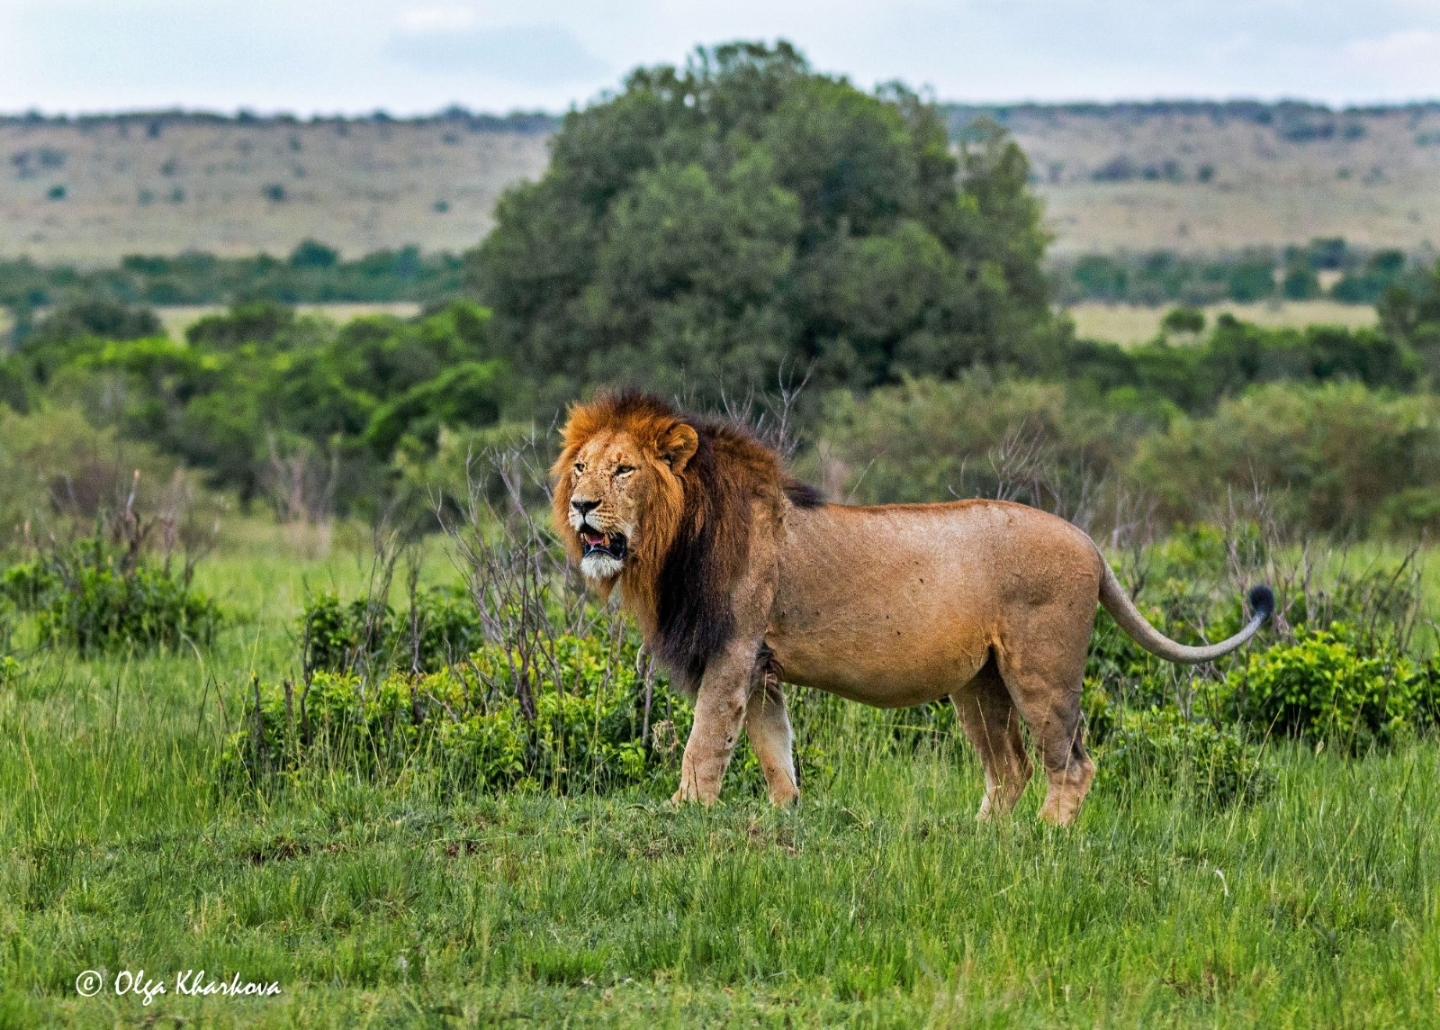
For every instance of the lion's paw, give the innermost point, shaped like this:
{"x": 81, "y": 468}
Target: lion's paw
{"x": 686, "y": 795}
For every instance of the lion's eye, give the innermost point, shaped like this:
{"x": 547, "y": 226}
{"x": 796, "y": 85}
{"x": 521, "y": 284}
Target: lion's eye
{"x": 624, "y": 470}
{"x": 579, "y": 466}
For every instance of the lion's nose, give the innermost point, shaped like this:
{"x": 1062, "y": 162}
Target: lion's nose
{"x": 583, "y": 508}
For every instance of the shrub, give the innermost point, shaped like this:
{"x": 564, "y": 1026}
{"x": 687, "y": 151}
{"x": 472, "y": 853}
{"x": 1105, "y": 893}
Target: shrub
{"x": 1329, "y": 456}
{"x": 15, "y": 382}
{"x": 28, "y": 585}
{"x": 106, "y": 319}
{"x": 1183, "y": 320}
{"x": 927, "y": 440}
{"x": 102, "y": 599}
{"x": 1412, "y": 512}
{"x": 106, "y": 591}
{"x": 486, "y": 465}
{"x": 589, "y": 719}
{"x": 258, "y": 322}
{"x": 466, "y": 394}
{"x": 440, "y": 627}
{"x": 54, "y": 462}
{"x": 1328, "y": 687}
{"x": 1215, "y": 766}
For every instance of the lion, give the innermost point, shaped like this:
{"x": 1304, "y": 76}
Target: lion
{"x": 743, "y": 578}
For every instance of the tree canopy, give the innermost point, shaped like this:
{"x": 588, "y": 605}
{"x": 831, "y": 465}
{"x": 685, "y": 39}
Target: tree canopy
{"x": 746, "y": 218}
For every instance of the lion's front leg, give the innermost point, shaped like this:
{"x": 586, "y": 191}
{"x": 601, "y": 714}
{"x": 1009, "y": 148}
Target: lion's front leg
{"x": 719, "y": 714}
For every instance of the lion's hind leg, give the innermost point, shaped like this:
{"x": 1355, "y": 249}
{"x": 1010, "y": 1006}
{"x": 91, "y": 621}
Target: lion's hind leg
{"x": 768, "y": 726}
{"x": 1044, "y": 678}
{"x": 993, "y": 725}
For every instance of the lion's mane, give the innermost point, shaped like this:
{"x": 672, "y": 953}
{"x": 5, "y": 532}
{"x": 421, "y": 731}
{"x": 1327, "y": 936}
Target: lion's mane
{"x": 695, "y": 536}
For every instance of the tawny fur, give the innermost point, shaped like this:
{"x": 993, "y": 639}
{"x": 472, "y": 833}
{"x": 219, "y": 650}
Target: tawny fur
{"x": 740, "y": 580}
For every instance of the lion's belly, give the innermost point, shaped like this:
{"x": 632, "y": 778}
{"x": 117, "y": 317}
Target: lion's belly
{"x": 882, "y": 655}
{"x": 903, "y": 623}
{"x": 853, "y": 673}
{"x": 899, "y": 606}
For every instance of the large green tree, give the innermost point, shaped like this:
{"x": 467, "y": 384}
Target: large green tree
{"x": 745, "y": 218}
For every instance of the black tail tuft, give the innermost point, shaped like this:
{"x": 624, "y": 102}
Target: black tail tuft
{"x": 1262, "y": 601}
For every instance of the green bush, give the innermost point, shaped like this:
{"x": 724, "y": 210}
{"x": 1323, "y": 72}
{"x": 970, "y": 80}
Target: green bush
{"x": 53, "y": 462}
{"x": 1412, "y": 512}
{"x": 580, "y": 721}
{"x": 439, "y": 628}
{"x": 28, "y": 585}
{"x": 107, "y": 319}
{"x": 1329, "y": 687}
{"x": 1237, "y": 355}
{"x": 464, "y": 394}
{"x": 106, "y": 600}
{"x": 928, "y": 440}
{"x": 484, "y": 465}
{"x": 1329, "y": 457}
{"x": 94, "y": 595}
{"x": 1215, "y": 766}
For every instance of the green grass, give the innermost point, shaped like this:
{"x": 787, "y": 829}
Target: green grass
{"x": 1137, "y": 323}
{"x": 878, "y": 902}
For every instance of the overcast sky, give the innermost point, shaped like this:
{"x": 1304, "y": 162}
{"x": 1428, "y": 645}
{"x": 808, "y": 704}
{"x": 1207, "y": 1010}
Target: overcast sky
{"x": 354, "y": 56}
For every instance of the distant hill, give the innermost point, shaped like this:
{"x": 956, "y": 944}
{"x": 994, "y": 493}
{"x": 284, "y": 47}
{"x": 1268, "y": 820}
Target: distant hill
{"x": 1196, "y": 176}
{"x": 1203, "y": 176}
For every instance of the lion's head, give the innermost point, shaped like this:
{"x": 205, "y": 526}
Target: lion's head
{"x": 662, "y": 503}
{"x": 619, "y": 491}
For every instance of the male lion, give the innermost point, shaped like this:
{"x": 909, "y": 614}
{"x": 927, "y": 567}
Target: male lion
{"x": 742, "y": 578}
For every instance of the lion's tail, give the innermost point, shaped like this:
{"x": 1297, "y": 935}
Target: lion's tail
{"x": 1119, "y": 605}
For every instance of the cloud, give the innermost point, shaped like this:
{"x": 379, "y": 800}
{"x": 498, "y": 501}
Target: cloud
{"x": 419, "y": 55}
{"x": 449, "y": 38}
{"x": 429, "y": 19}
{"x": 1405, "y": 59}
{"x": 1397, "y": 47}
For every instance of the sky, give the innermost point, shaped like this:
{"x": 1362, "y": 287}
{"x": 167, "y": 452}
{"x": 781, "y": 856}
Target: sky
{"x": 418, "y": 56}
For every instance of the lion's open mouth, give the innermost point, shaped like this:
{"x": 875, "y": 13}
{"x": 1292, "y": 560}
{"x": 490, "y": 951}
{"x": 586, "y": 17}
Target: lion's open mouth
{"x": 613, "y": 545}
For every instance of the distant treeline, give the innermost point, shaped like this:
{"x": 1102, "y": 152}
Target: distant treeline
{"x": 1294, "y": 119}
{"x": 1354, "y": 276}
{"x": 478, "y": 121}
{"x": 313, "y": 273}
{"x": 1297, "y": 120}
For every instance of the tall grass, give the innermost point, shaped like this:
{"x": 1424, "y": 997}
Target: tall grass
{"x": 878, "y": 902}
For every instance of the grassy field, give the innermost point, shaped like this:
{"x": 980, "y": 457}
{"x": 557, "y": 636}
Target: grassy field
{"x": 878, "y": 902}
{"x": 237, "y": 189}
{"x": 1115, "y": 178}
{"x": 1135, "y": 323}
{"x": 1112, "y": 178}
{"x": 178, "y": 318}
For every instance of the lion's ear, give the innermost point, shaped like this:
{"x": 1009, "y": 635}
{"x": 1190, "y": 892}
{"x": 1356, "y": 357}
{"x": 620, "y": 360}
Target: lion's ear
{"x": 678, "y": 446}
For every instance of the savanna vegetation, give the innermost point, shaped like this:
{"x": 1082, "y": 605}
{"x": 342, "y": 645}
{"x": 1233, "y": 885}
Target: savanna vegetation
{"x": 312, "y": 273}
{"x": 1324, "y": 268}
{"x": 1194, "y": 177}
{"x": 295, "y": 684}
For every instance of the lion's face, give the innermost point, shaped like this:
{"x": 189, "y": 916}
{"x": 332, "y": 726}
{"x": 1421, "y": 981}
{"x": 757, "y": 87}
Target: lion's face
{"x": 610, "y": 483}
{"x": 618, "y": 493}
